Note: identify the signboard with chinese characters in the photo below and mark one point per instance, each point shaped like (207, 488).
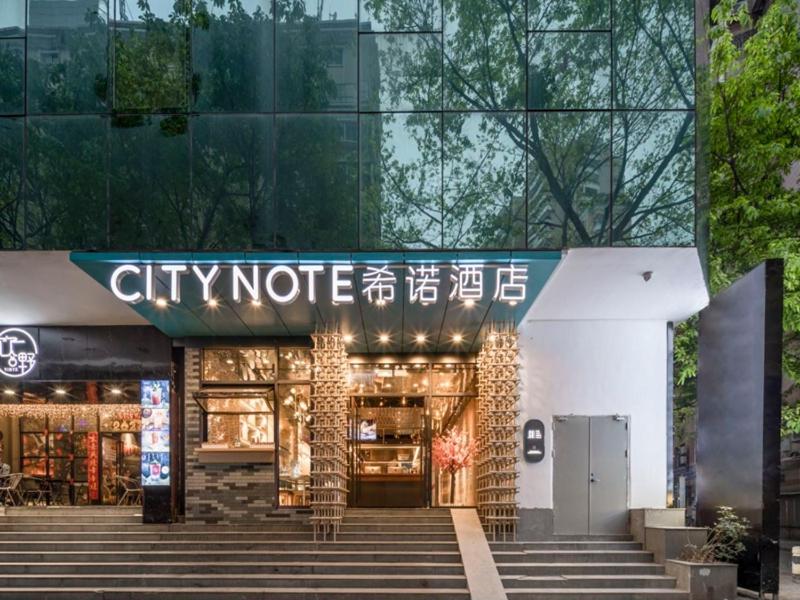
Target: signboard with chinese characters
(155, 433)
(533, 441)
(379, 284)
(19, 352)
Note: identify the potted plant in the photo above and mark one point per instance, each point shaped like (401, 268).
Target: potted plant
(453, 451)
(709, 572)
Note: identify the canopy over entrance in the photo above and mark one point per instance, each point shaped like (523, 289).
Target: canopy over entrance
(385, 302)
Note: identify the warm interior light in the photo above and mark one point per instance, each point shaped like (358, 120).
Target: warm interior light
(255, 302)
(348, 339)
(161, 302)
(458, 338)
(8, 392)
(61, 391)
(469, 302)
(380, 302)
(420, 338)
(383, 338)
(512, 303)
(492, 338)
(212, 302)
(116, 391)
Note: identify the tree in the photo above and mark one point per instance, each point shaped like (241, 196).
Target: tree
(755, 193)
(453, 451)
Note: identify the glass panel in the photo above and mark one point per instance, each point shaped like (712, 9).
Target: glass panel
(12, 200)
(12, 77)
(654, 54)
(67, 56)
(80, 446)
(33, 444)
(317, 187)
(568, 179)
(484, 181)
(12, 18)
(317, 56)
(400, 72)
(61, 424)
(60, 444)
(123, 418)
(35, 467)
(484, 55)
(294, 363)
(67, 178)
(568, 14)
(401, 15)
(569, 70)
(401, 181)
(85, 423)
(653, 179)
(239, 364)
(32, 424)
(232, 56)
(61, 469)
(232, 181)
(295, 444)
(149, 184)
(151, 52)
(454, 379)
(453, 421)
(81, 469)
(240, 422)
(119, 392)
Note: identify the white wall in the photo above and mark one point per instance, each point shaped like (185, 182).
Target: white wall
(597, 368)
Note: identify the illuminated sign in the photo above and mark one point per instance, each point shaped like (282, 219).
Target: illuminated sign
(381, 284)
(155, 433)
(533, 441)
(18, 352)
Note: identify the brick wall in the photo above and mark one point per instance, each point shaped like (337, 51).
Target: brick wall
(220, 493)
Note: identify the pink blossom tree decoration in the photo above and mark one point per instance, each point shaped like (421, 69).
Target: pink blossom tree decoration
(453, 451)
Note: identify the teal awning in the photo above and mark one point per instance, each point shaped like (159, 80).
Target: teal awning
(391, 327)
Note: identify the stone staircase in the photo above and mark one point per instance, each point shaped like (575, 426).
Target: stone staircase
(54, 554)
(575, 568)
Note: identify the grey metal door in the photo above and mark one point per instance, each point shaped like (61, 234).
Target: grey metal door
(608, 475)
(571, 475)
(590, 475)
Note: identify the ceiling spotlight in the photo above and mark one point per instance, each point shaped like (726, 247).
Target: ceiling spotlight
(512, 302)
(60, 391)
(116, 391)
(8, 392)
(458, 338)
(380, 302)
(348, 339)
(469, 302)
(212, 302)
(255, 302)
(420, 338)
(383, 338)
(161, 302)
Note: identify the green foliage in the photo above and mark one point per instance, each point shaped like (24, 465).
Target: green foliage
(754, 143)
(725, 541)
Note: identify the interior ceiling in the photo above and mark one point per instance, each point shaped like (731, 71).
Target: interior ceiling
(609, 284)
(401, 320)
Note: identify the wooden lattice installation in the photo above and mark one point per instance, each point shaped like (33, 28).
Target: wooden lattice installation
(498, 409)
(328, 433)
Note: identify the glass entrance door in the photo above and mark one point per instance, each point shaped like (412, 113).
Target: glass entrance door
(389, 451)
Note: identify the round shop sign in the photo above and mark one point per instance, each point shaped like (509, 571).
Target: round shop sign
(18, 352)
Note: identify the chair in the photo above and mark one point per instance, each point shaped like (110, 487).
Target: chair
(10, 490)
(132, 491)
(32, 490)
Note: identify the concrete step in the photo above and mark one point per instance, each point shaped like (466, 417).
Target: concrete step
(240, 580)
(589, 581)
(423, 554)
(563, 545)
(76, 518)
(572, 556)
(289, 526)
(595, 594)
(272, 537)
(392, 525)
(224, 545)
(236, 593)
(596, 568)
(294, 567)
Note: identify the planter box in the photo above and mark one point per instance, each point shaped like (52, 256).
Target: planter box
(668, 542)
(704, 581)
(641, 518)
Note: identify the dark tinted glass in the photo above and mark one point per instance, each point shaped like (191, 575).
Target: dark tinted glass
(12, 18)
(653, 179)
(401, 181)
(317, 64)
(484, 55)
(401, 72)
(401, 15)
(568, 179)
(484, 181)
(569, 71)
(151, 52)
(149, 184)
(12, 209)
(654, 54)
(232, 56)
(67, 177)
(12, 79)
(582, 15)
(67, 56)
(317, 182)
(232, 181)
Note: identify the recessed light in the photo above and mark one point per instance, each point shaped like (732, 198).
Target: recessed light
(383, 338)
(348, 339)
(469, 302)
(512, 303)
(9, 392)
(420, 338)
(212, 302)
(116, 391)
(380, 302)
(161, 302)
(458, 338)
(255, 302)
(60, 391)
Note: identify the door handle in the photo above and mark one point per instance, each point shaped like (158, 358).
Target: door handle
(593, 479)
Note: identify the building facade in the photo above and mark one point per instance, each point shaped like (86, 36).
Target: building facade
(415, 176)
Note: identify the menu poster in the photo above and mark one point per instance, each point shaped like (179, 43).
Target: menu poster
(155, 432)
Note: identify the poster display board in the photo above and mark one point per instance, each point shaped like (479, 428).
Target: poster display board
(155, 433)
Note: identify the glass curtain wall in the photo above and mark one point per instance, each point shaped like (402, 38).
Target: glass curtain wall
(346, 124)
